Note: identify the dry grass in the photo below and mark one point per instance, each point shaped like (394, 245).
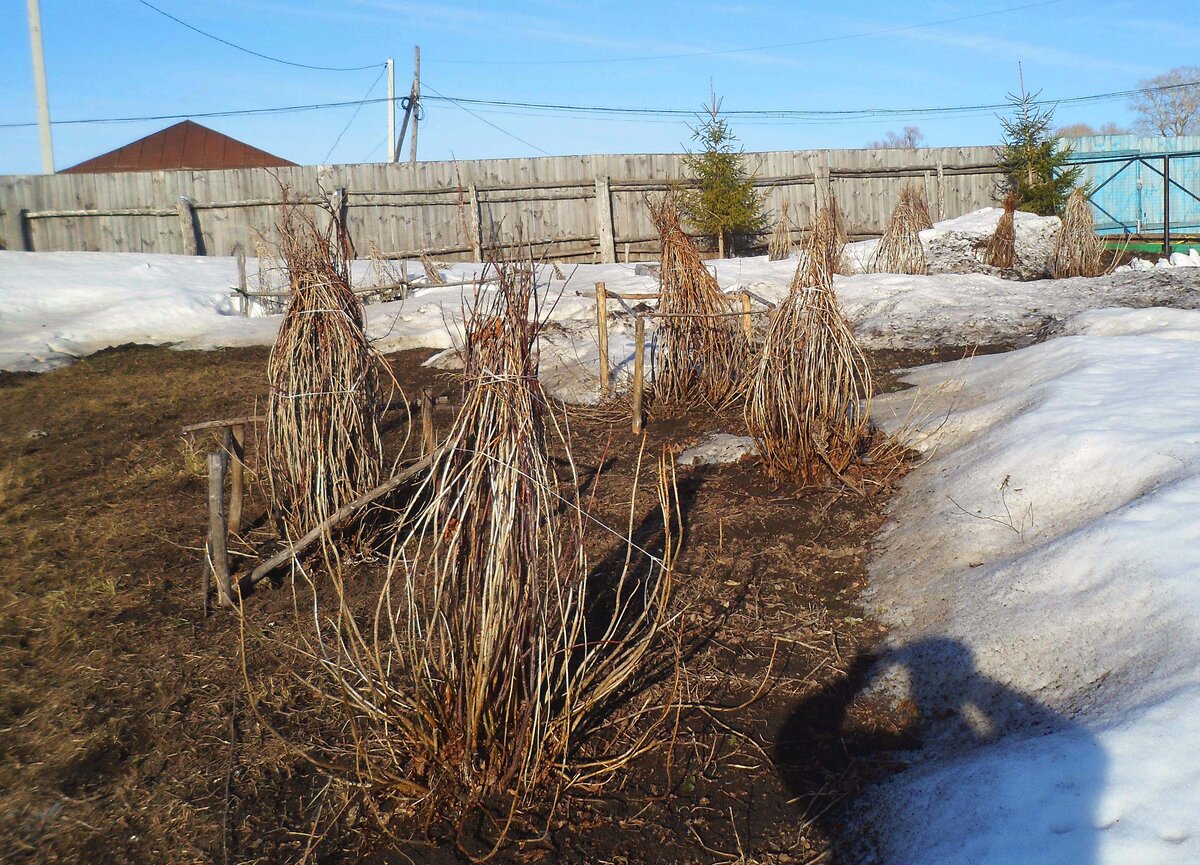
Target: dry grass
(433, 275)
(323, 443)
(780, 246)
(809, 400)
(496, 669)
(702, 352)
(900, 249)
(913, 196)
(1001, 248)
(1078, 250)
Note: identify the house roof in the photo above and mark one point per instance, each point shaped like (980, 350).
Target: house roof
(185, 145)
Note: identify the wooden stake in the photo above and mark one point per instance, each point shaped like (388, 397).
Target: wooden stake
(639, 371)
(747, 323)
(241, 266)
(237, 476)
(476, 224)
(427, 441)
(217, 528)
(602, 333)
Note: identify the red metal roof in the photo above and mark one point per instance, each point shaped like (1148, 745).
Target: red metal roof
(182, 146)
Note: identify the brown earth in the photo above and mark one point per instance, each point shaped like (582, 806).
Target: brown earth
(124, 730)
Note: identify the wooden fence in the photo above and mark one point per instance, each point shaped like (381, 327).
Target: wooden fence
(572, 207)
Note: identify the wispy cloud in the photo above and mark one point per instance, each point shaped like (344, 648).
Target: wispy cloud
(1014, 50)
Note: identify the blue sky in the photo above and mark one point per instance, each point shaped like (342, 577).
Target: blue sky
(112, 58)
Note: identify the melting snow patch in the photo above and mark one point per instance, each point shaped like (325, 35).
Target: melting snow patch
(718, 449)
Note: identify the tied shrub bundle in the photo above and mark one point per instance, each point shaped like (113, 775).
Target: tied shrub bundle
(900, 250)
(1078, 250)
(702, 351)
(914, 197)
(322, 436)
(780, 246)
(496, 668)
(1001, 248)
(808, 403)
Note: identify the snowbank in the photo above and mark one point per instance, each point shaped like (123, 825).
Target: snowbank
(953, 245)
(55, 307)
(1041, 575)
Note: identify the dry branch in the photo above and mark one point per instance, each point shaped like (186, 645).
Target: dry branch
(808, 403)
(780, 246)
(702, 354)
(323, 444)
(900, 250)
(1001, 248)
(496, 668)
(1078, 250)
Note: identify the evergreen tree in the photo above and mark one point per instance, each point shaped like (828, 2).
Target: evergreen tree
(725, 206)
(1033, 160)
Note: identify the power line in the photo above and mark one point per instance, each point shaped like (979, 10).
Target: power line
(626, 113)
(353, 116)
(485, 120)
(724, 51)
(251, 52)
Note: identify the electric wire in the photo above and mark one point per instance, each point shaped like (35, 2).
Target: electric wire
(251, 52)
(353, 116)
(485, 120)
(626, 112)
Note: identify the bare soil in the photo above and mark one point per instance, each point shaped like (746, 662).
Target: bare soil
(124, 730)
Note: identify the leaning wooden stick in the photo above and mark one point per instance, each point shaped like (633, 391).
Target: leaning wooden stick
(217, 528)
(317, 532)
(237, 453)
(602, 332)
(639, 371)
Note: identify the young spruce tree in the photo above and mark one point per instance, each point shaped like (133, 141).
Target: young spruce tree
(1033, 160)
(724, 207)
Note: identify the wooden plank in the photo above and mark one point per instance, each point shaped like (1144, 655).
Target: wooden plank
(604, 221)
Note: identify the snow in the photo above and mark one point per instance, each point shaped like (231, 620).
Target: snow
(954, 245)
(718, 449)
(1041, 577)
(56, 307)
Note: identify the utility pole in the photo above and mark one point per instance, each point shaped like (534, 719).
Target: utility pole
(416, 101)
(411, 108)
(391, 106)
(39, 83)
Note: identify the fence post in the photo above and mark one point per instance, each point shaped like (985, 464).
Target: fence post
(188, 228)
(602, 334)
(427, 441)
(747, 323)
(218, 552)
(476, 224)
(604, 221)
(639, 371)
(16, 230)
(941, 191)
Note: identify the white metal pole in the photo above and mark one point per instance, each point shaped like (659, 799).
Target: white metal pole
(391, 106)
(39, 83)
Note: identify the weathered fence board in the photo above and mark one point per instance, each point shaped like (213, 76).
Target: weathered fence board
(456, 210)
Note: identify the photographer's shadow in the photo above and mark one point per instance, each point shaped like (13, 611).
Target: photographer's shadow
(1029, 797)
